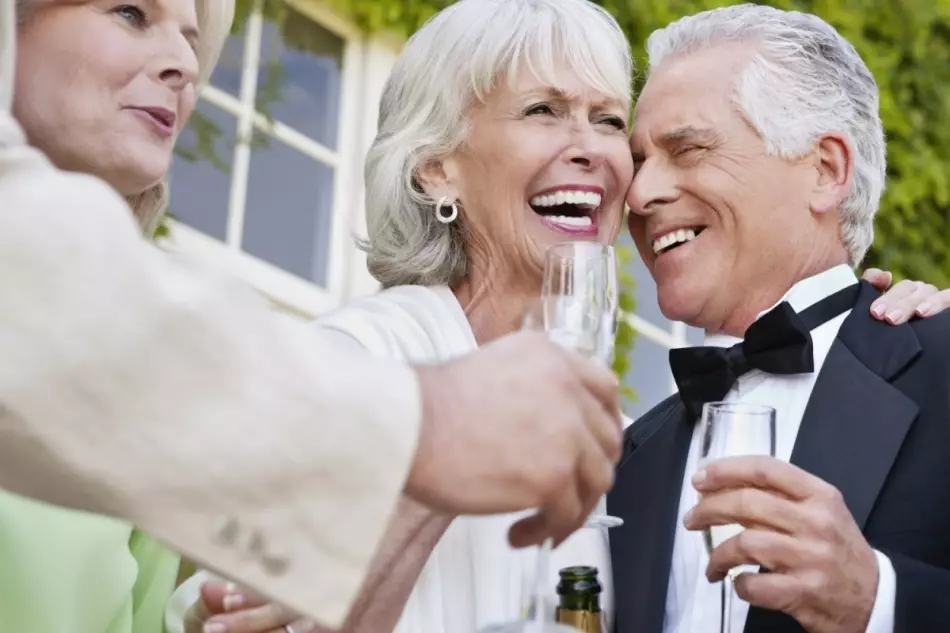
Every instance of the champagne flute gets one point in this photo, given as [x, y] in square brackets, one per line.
[577, 304]
[578, 309]
[731, 429]
[582, 278]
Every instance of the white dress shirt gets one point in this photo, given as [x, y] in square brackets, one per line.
[693, 605]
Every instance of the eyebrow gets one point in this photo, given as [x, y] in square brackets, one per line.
[679, 135]
[557, 94]
[687, 133]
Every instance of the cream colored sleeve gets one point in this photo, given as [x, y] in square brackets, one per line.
[134, 383]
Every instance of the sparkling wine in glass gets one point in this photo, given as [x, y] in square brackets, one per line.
[580, 309]
[732, 429]
[580, 288]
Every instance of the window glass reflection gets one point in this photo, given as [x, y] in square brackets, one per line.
[200, 177]
[226, 75]
[289, 207]
[299, 81]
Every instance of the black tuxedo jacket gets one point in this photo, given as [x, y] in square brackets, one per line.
[877, 427]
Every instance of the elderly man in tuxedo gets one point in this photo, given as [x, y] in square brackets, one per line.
[760, 165]
[142, 386]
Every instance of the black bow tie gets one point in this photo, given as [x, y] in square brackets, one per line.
[777, 343]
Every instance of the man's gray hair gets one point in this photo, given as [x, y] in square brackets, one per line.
[449, 65]
[804, 80]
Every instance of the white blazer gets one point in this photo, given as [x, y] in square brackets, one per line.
[141, 385]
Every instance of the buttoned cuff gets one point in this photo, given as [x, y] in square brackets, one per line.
[882, 615]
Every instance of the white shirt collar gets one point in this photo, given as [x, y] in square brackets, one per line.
[805, 293]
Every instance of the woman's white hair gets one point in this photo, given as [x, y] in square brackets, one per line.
[214, 22]
[450, 64]
[804, 80]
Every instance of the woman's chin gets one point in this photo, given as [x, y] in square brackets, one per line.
[134, 181]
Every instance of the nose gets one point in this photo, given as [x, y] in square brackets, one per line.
[176, 66]
[653, 185]
[587, 148]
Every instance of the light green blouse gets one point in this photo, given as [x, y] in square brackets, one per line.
[63, 571]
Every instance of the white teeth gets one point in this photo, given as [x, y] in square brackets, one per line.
[581, 198]
[571, 221]
[673, 237]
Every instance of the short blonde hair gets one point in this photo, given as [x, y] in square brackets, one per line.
[451, 63]
[214, 21]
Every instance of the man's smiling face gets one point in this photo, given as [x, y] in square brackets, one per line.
[711, 211]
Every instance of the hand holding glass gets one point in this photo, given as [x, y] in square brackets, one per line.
[733, 430]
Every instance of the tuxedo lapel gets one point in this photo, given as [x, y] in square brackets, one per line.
[646, 496]
[855, 421]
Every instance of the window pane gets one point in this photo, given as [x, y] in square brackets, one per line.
[200, 177]
[289, 207]
[694, 336]
[649, 375]
[299, 81]
[227, 74]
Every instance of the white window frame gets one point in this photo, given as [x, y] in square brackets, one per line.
[285, 289]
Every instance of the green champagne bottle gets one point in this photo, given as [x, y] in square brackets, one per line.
[579, 592]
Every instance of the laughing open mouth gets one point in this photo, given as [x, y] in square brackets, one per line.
[568, 209]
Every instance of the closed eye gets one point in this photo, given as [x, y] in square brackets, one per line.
[540, 108]
[615, 122]
[686, 149]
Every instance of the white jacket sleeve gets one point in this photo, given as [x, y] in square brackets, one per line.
[135, 384]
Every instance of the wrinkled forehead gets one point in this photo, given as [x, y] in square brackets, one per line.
[561, 81]
[693, 91]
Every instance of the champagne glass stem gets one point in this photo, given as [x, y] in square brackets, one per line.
[537, 610]
[728, 590]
